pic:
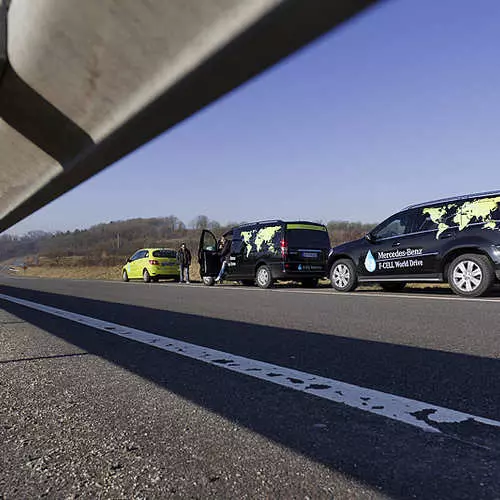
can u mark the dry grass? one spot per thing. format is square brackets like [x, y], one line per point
[68, 268]
[74, 272]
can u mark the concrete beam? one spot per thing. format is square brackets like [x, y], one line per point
[86, 83]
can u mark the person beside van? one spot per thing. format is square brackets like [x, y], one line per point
[224, 253]
[184, 260]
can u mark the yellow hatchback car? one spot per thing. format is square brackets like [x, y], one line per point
[151, 264]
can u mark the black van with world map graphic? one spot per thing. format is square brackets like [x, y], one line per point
[268, 251]
[454, 240]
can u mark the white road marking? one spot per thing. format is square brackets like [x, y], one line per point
[332, 293]
[416, 413]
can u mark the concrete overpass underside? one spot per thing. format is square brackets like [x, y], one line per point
[83, 83]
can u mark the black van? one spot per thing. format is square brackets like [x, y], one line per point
[263, 252]
[454, 240]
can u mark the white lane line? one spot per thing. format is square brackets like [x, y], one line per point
[332, 293]
[412, 412]
[372, 295]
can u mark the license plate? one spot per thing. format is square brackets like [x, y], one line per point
[310, 255]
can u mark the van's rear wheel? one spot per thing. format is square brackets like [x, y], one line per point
[392, 286]
[343, 276]
[309, 283]
[264, 278]
[470, 275]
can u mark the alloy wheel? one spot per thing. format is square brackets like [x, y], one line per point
[341, 275]
[467, 276]
[263, 276]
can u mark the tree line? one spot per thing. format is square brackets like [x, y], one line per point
[109, 243]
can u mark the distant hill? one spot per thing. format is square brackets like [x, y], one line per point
[108, 244]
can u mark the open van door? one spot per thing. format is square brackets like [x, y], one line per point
[208, 257]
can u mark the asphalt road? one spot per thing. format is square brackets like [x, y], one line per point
[85, 413]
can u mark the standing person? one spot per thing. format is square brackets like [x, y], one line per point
[184, 260]
[224, 252]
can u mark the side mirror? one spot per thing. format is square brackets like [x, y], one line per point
[369, 237]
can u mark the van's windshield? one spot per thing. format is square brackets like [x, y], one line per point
[307, 238]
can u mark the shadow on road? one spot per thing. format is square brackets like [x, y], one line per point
[398, 460]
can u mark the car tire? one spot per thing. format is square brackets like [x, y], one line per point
[392, 286]
[343, 276]
[125, 276]
[470, 275]
[309, 283]
[263, 277]
[146, 276]
[248, 282]
[208, 281]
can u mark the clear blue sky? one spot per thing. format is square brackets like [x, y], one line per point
[398, 106]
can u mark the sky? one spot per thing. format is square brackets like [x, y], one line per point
[398, 106]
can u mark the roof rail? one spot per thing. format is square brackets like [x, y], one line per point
[454, 198]
[279, 221]
[259, 222]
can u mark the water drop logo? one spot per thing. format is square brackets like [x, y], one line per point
[370, 263]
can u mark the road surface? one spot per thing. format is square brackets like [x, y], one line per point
[132, 390]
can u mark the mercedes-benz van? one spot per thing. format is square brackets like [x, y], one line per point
[454, 240]
[268, 251]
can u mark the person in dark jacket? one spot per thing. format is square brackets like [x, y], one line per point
[184, 260]
[224, 253]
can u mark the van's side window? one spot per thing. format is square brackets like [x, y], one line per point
[495, 214]
[421, 222]
[482, 207]
[237, 242]
[397, 225]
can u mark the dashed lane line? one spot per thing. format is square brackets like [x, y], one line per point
[419, 414]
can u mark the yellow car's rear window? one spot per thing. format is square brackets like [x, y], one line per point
[172, 254]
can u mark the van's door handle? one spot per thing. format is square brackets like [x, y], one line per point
[446, 235]
[396, 244]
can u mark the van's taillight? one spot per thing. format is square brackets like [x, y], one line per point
[154, 262]
[284, 248]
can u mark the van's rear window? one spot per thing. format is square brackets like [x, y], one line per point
[307, 238]
[172, 254]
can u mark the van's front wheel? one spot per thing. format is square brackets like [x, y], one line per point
[343, 276]
[264, 278]
[470, 275]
